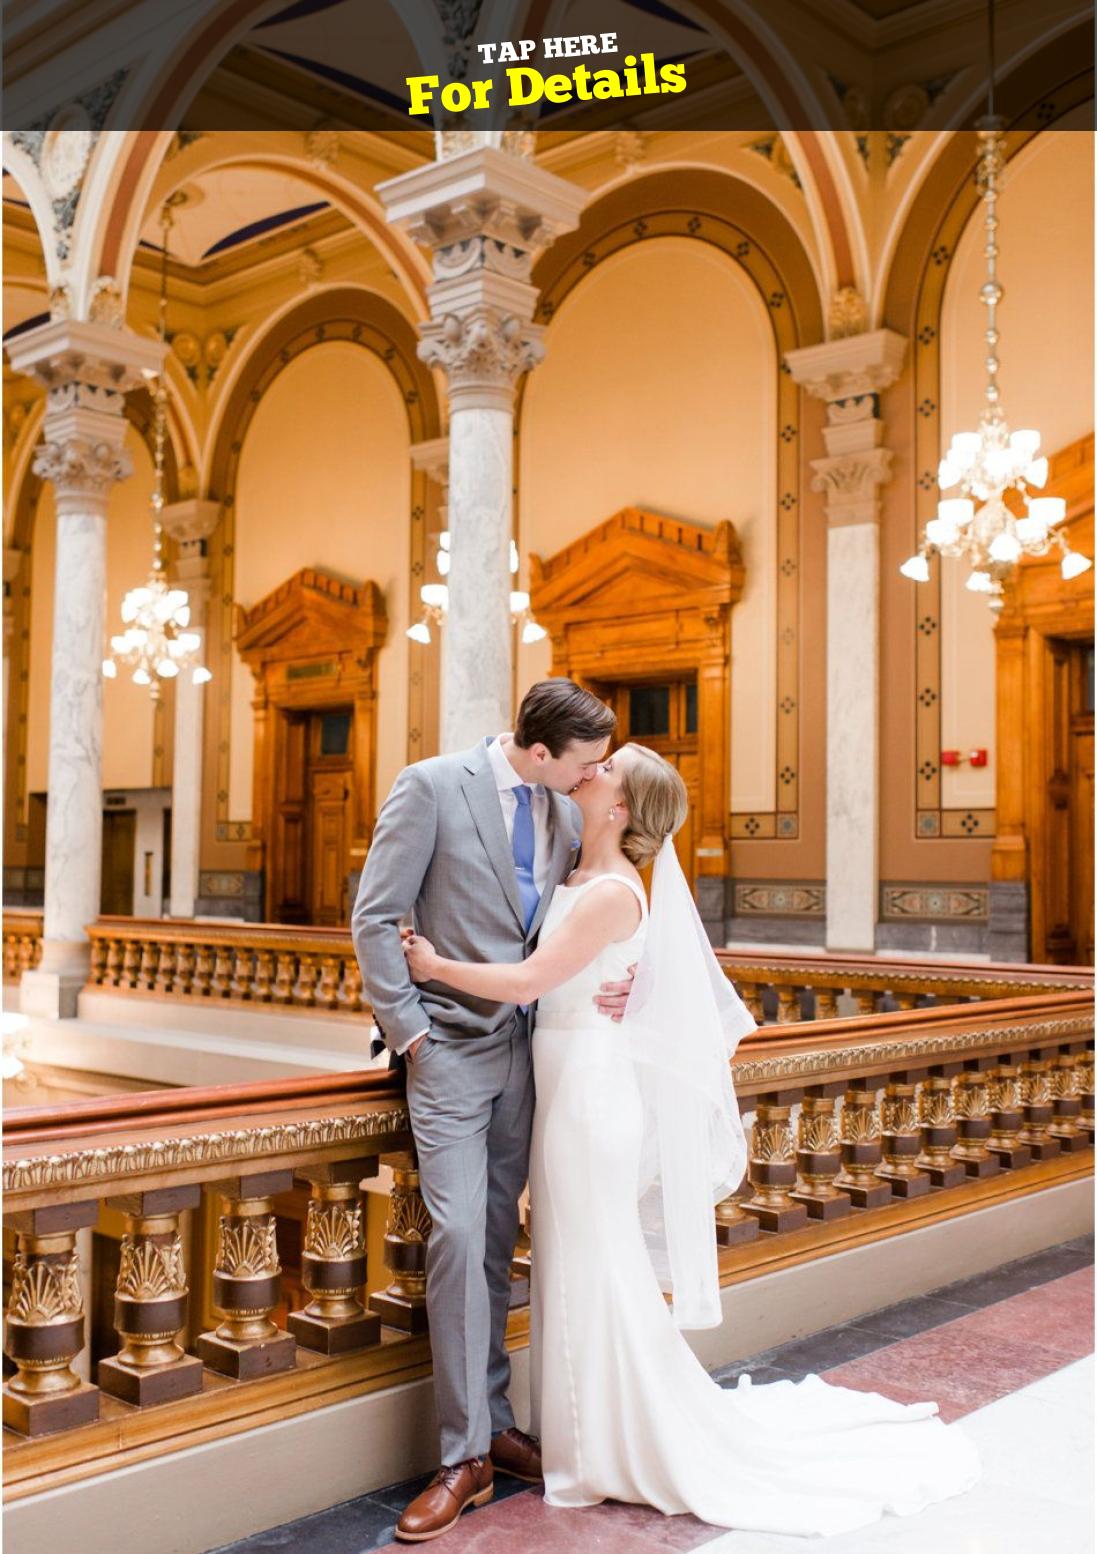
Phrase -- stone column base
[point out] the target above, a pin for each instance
(51, 995)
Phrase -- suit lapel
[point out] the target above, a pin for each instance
(482, 797)
(560, 858)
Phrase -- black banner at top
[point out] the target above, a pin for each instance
(405, 65)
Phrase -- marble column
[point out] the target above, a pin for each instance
(849, 374)
(87, 369)
(189, 523)
(484, 212)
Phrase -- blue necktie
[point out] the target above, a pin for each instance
(523, 843)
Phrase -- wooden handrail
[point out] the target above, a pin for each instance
(192, 1103)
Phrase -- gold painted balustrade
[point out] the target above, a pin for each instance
(806, 985)
(860, 1129)
(22, 941)
(315, 969)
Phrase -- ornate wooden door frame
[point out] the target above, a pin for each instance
(312, 643)
(1039, 607)
(640, 596)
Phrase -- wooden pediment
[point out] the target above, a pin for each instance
(311, 613)
(638, 561)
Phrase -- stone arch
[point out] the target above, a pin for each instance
(1049, 88)
(737, 219)
(23, 510)
(351, 315)
(131, 173)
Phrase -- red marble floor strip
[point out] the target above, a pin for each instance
(986, 1354)
(525, 1523)
(961, 1364)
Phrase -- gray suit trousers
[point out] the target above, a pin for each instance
(471, 1105)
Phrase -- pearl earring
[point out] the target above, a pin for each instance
(613, 814)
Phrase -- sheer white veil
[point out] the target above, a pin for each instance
(682, 1023)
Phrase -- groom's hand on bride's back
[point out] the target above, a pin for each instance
(612, 997)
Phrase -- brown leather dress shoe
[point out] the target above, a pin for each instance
(451, 1489)
(519, 1454)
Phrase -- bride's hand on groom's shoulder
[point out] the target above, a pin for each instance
(419, 954)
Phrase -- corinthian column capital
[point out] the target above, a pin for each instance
(484, 214)
(483, 350)
(87, 369)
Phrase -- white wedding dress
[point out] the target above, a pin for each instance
(624, 1408)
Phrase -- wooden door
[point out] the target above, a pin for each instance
(287, 858)
(312, 809)
(1068, 887)
(329, 817)
(1081, 805)
(662, 714)
(119, 841)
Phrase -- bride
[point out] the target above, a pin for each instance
(636, 1135)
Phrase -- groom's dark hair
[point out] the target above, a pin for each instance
(557, 713)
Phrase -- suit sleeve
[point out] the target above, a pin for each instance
(399, 856)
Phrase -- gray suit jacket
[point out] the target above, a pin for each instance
(440, 850)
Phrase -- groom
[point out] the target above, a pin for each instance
(474, 844)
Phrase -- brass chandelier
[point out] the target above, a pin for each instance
(984, 466)
(155, 645)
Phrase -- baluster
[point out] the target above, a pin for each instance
(772, 1169)
(131, 962)
(150, 1302)
(938, 1131)
(165, 972)
(906, 1000)
(203, 969)
(283, 981)
(899, 1140)
(30, 953)
(1004, 1103)
(12, 968)
(1066, 1104)
(404, 1303)
(788, 1005)
(247, 1282)
(826, 1003)
(859, 1143)
(241, 983)
(734, 1225)
(971, 1106)
(264, 976)
(98, 962)
(818, 1159)
(349, 995)
(304, 988)
(222, 971)
(185, 967)
(520, 1263)
(115, 958)
(751, 994)
(44, 1323)
(865, 999)
(333, 1261)
(150, 956)
(1084, 1065)
(327, 992)
(1036, 1111)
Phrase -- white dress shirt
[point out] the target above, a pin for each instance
(506, 780)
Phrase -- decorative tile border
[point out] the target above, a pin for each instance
(901, 903)
(779, 898)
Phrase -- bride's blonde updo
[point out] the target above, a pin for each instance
(657, 803)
